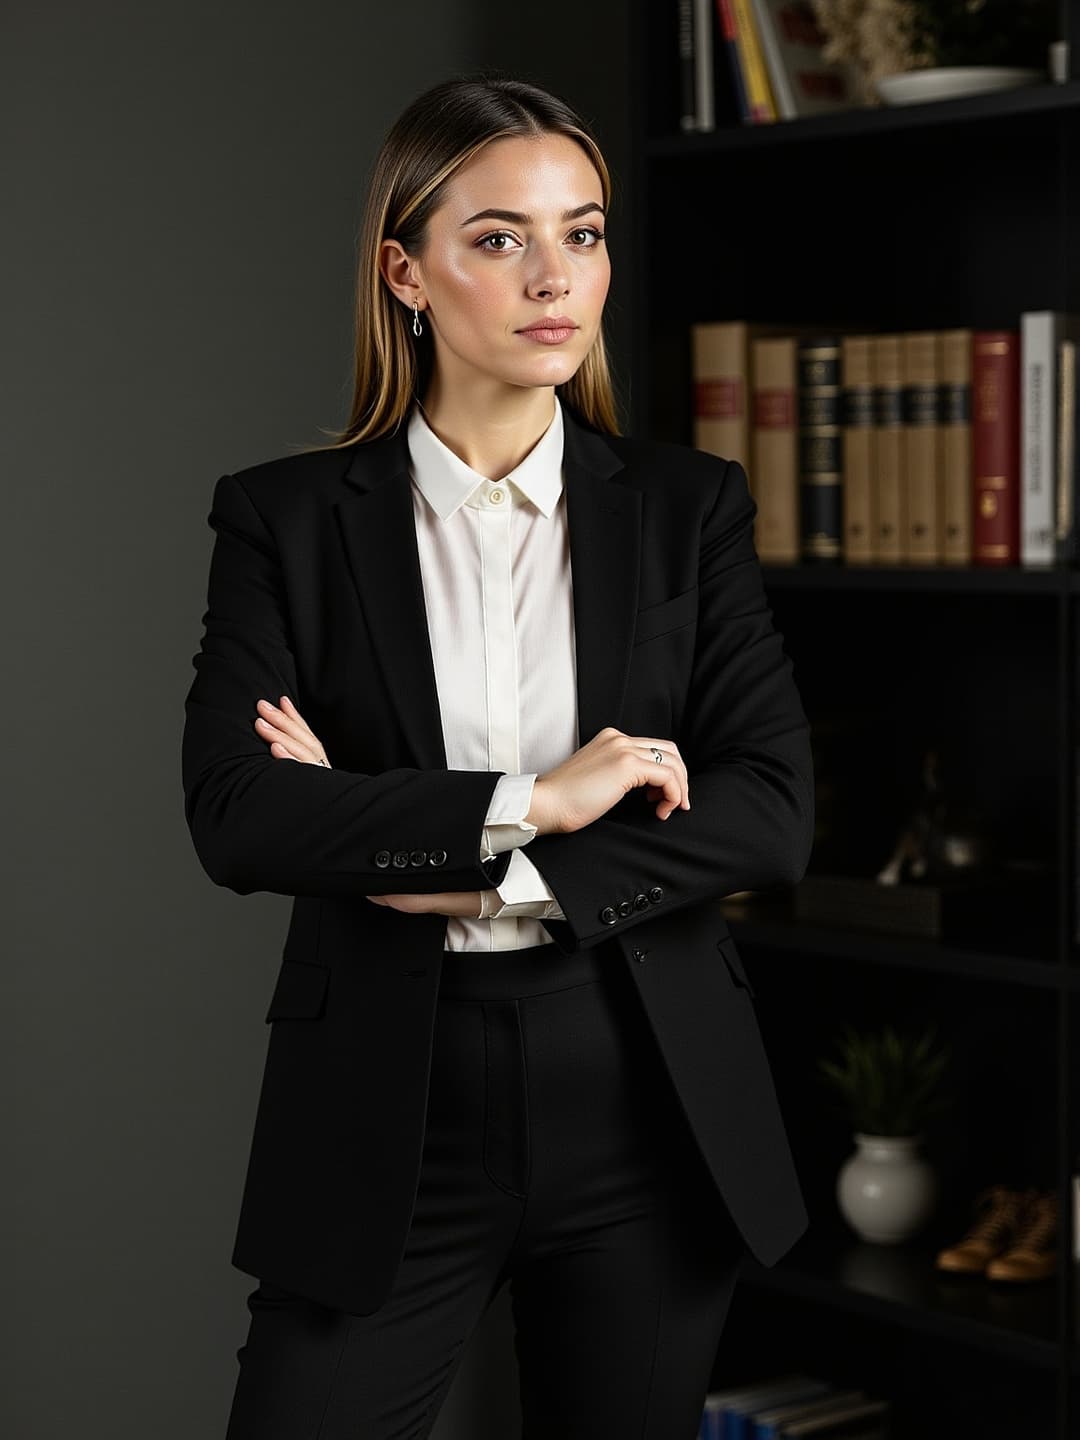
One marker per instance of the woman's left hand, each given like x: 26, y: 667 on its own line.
x: 291, y: 738
x: 288, y: 733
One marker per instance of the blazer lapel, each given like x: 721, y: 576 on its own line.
x: 379, y: 536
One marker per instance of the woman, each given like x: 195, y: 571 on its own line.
x: 459, y: 670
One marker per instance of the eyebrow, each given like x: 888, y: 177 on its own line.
x: 521, y: 219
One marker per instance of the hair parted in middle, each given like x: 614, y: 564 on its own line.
x: 438, y: 133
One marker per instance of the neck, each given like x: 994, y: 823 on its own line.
x: 491, y: 427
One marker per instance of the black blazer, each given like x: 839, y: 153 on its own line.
x: 315, y: 592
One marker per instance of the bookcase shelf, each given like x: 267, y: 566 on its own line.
x: 899, y: 1286
x: 1036, y: 100
x: 1014, y: 579
x: 962, y: 212
x: 875, y: 948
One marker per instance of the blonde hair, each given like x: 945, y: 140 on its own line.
x: 441, y: 130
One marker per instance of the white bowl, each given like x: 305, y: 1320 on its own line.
x: 912, y: 87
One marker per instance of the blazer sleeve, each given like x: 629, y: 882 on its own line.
x: 746, y: 745
x: 260, y: 823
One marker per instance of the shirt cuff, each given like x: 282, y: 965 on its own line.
x: 505, y: 826
x: 523, y: 891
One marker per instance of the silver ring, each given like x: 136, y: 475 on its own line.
x: 658, y: 755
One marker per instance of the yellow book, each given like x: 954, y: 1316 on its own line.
x: 752, y: 61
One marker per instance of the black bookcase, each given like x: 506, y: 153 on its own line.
x: 952, y: 213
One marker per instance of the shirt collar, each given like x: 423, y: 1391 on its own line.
x: 447, y: 483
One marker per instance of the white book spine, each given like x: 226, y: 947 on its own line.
x: 703, y: 61
x: 774, y: 61
x: 1038, y: 388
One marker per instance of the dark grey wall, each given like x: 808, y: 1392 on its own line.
x: 183, y: 185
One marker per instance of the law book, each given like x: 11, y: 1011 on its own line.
x: 920, y: 368
x: 774, y: 452
x: 889, y: 449
x: 1040, y: 334
x: 995, y: 447
x: 721, y: 364
x: 821, y: 480
x: 956, y: 443
x: 857, y: 427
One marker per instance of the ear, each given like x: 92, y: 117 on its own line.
x: 400, y: 271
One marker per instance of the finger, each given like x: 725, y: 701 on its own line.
x: 279, y: 752
x: 674, y: 785
x: 274, y: 734
x: 285, y: 722
x: 289, y: 709
x: 296, y: 729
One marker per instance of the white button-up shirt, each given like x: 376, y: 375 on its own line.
x: 495, y: 562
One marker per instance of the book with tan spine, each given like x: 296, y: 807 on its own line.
x: 774, y: 448
x: 956, y: 444
x: 720, y: 366
x: 860, y: 493
x: 889, y: 449
x: 920, y: 367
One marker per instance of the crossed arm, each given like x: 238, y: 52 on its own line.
x: 304, y: 829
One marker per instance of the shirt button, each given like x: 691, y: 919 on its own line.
x: 496, y: 497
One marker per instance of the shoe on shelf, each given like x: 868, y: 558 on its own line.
x: 999, y: 1215
x: 1033, y: 1254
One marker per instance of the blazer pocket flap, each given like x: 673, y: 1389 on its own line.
x: 300, y: 992
x: 734, y: 963
x: 666, y: 615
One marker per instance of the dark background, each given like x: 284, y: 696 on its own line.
x: 183, y: 186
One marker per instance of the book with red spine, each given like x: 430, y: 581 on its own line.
x: 995, y: 447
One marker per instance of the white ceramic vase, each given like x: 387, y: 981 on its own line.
x: 885, y: 1189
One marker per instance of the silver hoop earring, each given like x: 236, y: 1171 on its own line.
x: 417, y: 328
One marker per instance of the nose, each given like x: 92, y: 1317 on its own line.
x: 549, y: 275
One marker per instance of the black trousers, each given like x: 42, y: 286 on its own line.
x: 556, y: 1157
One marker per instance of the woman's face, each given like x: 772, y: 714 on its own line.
x: 515, y: 241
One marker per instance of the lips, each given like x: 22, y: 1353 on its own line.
x: 552, y: 330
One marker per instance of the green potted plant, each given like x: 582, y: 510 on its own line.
x: 888, y: 1085
x: 902, y: 51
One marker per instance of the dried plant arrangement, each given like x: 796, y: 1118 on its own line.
x: 886, y: 37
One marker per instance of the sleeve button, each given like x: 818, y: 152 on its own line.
x: 401, y: 859
x: 626, y: 907
x: 382, y: 858
x: 418, y: 857
x: 436, y: 857
x: 641, y: 901
x: 608, y: 916
x: 656, y: 894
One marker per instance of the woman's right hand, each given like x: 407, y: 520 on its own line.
x: 596, y: 777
